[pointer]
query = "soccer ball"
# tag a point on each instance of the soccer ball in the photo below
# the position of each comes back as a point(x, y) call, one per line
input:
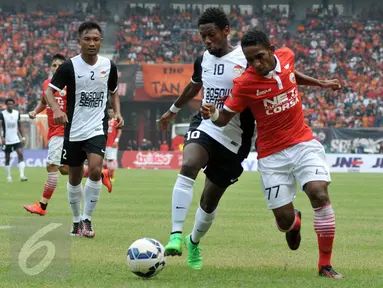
point(146, 257)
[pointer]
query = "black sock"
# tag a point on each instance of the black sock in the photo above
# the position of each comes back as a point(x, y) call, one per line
point(191, 240)
point(176, 232)
point(43, 205)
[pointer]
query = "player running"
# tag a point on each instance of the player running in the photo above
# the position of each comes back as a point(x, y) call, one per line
point(286, 149)
point(10, 129)
point(55, 144)
point(114, 136)
point(89, 79)
point(220, 150)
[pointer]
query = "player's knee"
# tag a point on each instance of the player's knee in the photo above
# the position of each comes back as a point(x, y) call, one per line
point(208, 206)
point(190, 168)
point(318, 194)
point(284, 219)
point(64, 170)
point(52, 168)
point(95, 173)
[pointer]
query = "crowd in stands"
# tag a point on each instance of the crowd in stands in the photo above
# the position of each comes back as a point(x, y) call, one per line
point(326, 44)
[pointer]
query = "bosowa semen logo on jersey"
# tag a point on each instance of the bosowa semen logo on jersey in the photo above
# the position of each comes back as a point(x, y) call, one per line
point(92, 99)
point(281, 102)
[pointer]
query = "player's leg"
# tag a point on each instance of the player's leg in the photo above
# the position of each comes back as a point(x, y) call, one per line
point(279, 187)
point(204, 218)
point(7, 152)
point(195, 157)
point(74, 157)
point(313, 173)
point(111, 160)
point(20, 156)
point(55, 146)
point(94, 148)
point(105, 177)
point(223, 170)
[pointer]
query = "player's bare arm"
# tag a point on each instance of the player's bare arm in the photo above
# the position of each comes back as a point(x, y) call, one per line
point(220, 118)
point(191, 90)
point(305, 80)
point(118, 136)
point(1, 132)
point(21, 131)
point(59, 116)
point(115, 102)
point(39, 108)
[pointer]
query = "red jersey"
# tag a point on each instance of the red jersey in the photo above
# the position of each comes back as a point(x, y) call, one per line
point(275, 103)
point(112, 132)
point(55, 130)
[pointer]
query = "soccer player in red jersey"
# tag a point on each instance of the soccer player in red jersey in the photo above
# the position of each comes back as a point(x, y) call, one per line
point(114, 135)
point(286, 149)
point(55, 144)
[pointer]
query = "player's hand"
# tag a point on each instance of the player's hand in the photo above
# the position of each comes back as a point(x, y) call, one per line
point(59, 117)
point(120, 121)
point(207, 110)
point(23, 140)
point(165, 119)
point(115, 145)
point(331, 84)
point(32, 114)
point(2, 140)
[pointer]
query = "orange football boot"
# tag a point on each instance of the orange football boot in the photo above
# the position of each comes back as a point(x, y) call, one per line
point(106, 180)
point(35, 209)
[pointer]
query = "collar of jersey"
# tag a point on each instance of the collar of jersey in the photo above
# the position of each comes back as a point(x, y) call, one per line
point(277, 68)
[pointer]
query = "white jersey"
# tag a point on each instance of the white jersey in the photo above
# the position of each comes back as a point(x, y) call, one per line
point(10, 126)
point(217, 75)
point(87, 95)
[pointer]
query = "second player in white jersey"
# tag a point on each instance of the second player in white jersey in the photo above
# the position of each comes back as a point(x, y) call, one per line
point(217, 75)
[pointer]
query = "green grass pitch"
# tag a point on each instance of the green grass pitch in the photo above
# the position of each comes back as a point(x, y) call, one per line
point(242, 249)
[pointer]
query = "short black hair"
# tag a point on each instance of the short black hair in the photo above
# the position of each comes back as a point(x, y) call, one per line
point(254, 37)
point(216, 16)
point(58, 56)
point(88, 25)
point(9, 100)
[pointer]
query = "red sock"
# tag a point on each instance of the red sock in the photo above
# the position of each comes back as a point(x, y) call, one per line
point(324, 225)
point(86, 171)
point(295, 226)
point(50, 184)
point(112, 165)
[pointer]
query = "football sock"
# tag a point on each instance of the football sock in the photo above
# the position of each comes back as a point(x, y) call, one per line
point(75, 197)
point(86, 171)
point(112, 165)
point(92, 191)
point(324, 225)
point(21, 168)
point(8, 170)
point(181, 201)
point(202, 224)
point(51, 184)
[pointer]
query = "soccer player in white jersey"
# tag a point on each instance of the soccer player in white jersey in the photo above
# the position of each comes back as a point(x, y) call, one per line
point(221, 151)
point(89, 79)
point(10, 129)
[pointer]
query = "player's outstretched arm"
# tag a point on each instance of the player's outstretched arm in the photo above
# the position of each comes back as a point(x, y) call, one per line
point(191, 90)
point(220, 118)
point(305, 80)
point(39, 108)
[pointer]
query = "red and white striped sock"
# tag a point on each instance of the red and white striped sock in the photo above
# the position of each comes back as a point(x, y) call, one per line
point(50, 184)
point(324, 225)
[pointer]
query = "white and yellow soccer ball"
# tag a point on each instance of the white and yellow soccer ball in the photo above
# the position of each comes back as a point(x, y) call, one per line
point(146, 257)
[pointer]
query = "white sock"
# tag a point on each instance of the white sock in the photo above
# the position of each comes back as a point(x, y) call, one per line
point(75, 197)
point(202, 224)
point(8, 171)
point(181, 201)
point(92, 191)
point(21, 168)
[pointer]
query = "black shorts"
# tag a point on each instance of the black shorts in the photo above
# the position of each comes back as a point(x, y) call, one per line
point(12, 147)
point(75, 153)
point(224, 167)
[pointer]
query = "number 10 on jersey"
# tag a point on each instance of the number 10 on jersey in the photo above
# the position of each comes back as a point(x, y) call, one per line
point(219, 69)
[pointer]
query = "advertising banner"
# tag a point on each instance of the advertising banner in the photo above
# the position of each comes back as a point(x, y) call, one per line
point(32, 158)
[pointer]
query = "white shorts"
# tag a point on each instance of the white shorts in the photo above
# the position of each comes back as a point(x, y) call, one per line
point(55, 147)
point(111, 153)
point(305, 162)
